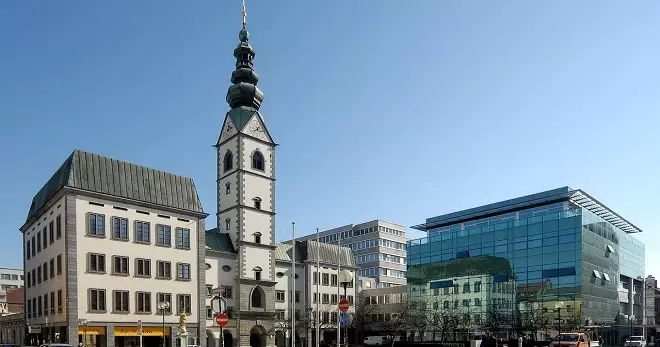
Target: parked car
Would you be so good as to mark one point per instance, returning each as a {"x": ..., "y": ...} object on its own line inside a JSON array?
[
  {"x": 377, "y": 341},
  {"x": 635, "y": 341},
  {"x": 571, "y": 340},
  {"x": 56, "y": 345}
]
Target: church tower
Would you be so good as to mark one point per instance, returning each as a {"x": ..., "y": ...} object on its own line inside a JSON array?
[{"x": 246, "y": 198}]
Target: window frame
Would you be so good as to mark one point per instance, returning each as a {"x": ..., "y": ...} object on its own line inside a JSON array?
[
  {"x": 96, "y": 262},
  {"x": 146, "y": 264},
  {"x": 123, "y": 303},
  {"x": 58, "y": 227},
  {"x": 181, "y": 301},
  {"x": 258, "y": 161},
  {"x": 167, "y": 231},
  {"x": 138, "y": 227},
  {"x": 228, "y": 161},
  {"x": 115, "y": 258},
  {"x": 99, "y": 230},
  {"x": 181, "y": 269},
  {"x": 90, "y": 305},
  {"x": 181, "y": 238},
  {"x": 146, "y": 302},
  {"x": 164, "y": 297},
  {"x": 167, "y": 265}
]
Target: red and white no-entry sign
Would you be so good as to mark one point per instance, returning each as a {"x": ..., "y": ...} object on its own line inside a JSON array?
[
  {"x": 221, "y": 319},
  {"x": 344, "y": 305}
]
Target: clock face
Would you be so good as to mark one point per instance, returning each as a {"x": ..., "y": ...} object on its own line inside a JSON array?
[{"x": 255, "y": 127}]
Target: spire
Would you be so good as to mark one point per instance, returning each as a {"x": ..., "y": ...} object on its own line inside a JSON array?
[{"x": 244, "y": 91}]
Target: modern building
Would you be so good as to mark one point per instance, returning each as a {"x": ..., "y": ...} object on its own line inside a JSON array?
[
  {"x": 105, "y": 242},
  {"x": 10, "y": 279},
  {"x": 553, "y": 260},
  {"x": 380, "y": 310},
  {"x": 379, "y": 248}
]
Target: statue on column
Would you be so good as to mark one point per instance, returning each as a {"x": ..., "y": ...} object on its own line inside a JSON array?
[{"x": 182, "y": 324}]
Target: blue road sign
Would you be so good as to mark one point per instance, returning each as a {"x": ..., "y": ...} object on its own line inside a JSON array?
[{"x": 344, "y": 319}]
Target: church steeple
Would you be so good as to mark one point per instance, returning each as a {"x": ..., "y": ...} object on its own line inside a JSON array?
[{"x": 244, "y": 90}]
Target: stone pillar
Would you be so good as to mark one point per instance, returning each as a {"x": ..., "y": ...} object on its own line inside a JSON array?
[{"x": 110, "y": 335}]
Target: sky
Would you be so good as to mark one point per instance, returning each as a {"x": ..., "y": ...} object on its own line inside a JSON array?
[{"x": 392, "y": 110}]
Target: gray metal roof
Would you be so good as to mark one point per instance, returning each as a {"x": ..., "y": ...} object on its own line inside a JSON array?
[
  {"x": 218, "y": 241},
  {"x": 307, "y": 251},
  {"x": 98, "y": 174}
]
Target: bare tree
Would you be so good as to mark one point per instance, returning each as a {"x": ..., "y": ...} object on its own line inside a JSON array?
[
  {"x": 534, "y": 318},
  {"x": 362, "y": 321}
]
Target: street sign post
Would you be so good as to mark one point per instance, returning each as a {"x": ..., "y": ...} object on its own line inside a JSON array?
[
  {"x": 344, "y": 305},
  {"x": 221, "y": 319}
]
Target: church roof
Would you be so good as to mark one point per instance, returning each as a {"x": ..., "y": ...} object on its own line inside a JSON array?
[
  {"x": 98, "y": 174},
  {"x": 307, "y": 251},
  {"x": 241, "y": 116},
  {"x": 218, "y": 241}
]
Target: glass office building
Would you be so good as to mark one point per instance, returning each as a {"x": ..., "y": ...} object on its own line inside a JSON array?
[{"x": 553, "y": 260}]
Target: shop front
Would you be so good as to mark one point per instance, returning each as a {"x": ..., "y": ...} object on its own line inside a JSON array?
[
  {"x": 92, "y": 336},
  {"x": 152, "y": 336}
]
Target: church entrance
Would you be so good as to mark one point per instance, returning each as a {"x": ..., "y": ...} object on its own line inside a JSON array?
[{"x": 258, "y": 336}]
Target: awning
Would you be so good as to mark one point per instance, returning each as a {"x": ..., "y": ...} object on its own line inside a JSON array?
[
  {"x": 146, "y": 331},
  {"x": 610, "y": 249},
  {"x": 596, "y": 274},
  {"x": 91, "y": 330},
  {"x": 607, "y": 277}
]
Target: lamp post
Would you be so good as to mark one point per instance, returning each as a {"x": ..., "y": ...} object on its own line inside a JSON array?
[
  {"x": 163, "y": 306},
  {"x": 631, "y": 318},
  {"x": 558, "y": 307},
  {"x": 345, "y": 277},
  {"x": 84, "y": 323}
]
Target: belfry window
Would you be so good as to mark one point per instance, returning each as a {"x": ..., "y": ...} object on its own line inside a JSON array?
[
  {"x": 257, "y": 237},
  {"x": 257, "y": 161},
  {"x": 227, "y": 224},
  {"x": 228, "y": 161},
  {"x": 257, "y": 274},
  {"x": 257, "y": 297},
  {"x": 227, "y": 188},
  {"x": 257, "y": 203}
]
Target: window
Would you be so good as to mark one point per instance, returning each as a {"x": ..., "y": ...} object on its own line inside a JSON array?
[
  {"x": 477, "y": 302},
  {"x": 325, "y": 298},
  {"x": 29, "y": 308},
  {"x": 27, "y": 249},
  {"x": 38, "y": 241},
  {"x": 52, "y": 267},
  {"x": 121, "y": 301},
  {"x": 257, "y": 297},
  {"x": 477, "y": 287},
  {"x": 350, "y": 299},
  {"x": 164, "y": 270},
  {"x": 257, "y": 273},
  {"x": 58, "y": 227},
  {"x": 257, "y": 237},
  {"x": 59, "y": 264},
  {"x": 183, "y": 272},
  {"x": 455, "y": 288},
  {"x": 209, "y": 312},
  {"x": 183, "y": 238},
  {"x": 165, "y": 297},
  {"x": 96, "y": 225},
  {"x": 297, "y": 296},
  {"x": 33, "y": 246},
  {"x": 143, "y": 302},
  {"x": 59, "y": 300},
  {"x": 45, "y": 304},
  {"x": 164, "y": 235},
  {"x": 315, "y": 278},
  {"x": 120, "y": 265},
  {"x": 39, "y": 274},
  {"x": 333, "y": 299},
  {"x": 142, "y": 232},
  {"x": 52, "y": 302},
  {"x": 29, "y": 283},
  {"x": 183, "y": 304},
  {"x": 209, "y": 290},
  {"x": 316, "y": 298},
  {"x": 34, "y": 277},
  {"x": 227, "y": 188},
  {"x": 143, "y": 267},
  {"x": 228, "y": 161},
  {"x": 466, "y": 287},
  {"x": 257, "y": 203},
  {"x": 325, "y": 279},
  {"x": 45, "y": 235},
  {"x": 45, "y": 272},
  {"x": 96, "y": 300},
  {"x": 280, "y": 296},
  {"x": 258, "y": 161},
  {"x": 51, "y": 232},
  {"x": 334, "y": 280},
  {"x": 227, "y": 292},
  {"x": 227, "y": 224},
  {"x": 40, "y": 307}
]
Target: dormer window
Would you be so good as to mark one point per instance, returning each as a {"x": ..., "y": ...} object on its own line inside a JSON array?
[
  {"x": 227, "y": 188},
  {"x": 257, "y": 203},
  {"x": 257, "y": 237},
  {"x": 258, "y": 161},
  {"x": 228, "y": 161}
]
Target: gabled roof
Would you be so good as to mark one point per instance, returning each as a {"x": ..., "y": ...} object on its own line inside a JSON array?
[
  {"x": 307, "y": 251},
  {"x": 218, "y": 241},
  {"x": 98, "y": 174}
]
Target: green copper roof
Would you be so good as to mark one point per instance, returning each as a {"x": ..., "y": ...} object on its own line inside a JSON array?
[
  {"x": 307, "y": 251},
  {"x": 241, "y": 116},
  {"x": 98, "y": 174},
  {"x": 218, "y": 241}
]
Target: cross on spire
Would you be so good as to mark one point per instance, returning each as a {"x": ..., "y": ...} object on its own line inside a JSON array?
[{"x": 244, "y": 14}]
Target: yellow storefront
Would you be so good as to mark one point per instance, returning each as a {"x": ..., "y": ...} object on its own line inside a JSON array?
[
  {"x": 92, "y": 336},
  {"x": 146, "y": 331},
  {"x": 152, "y": 336}
]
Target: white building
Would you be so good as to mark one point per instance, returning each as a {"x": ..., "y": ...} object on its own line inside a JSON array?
[
  {"x": 10, "y": 279},
  {"x": 105, "y": 241}
]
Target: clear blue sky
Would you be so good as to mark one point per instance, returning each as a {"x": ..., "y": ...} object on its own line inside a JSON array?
[{"x": 397, "y": 110}]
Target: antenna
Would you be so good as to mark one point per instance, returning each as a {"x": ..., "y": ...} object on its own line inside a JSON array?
[{"x": 244, "y": 14}]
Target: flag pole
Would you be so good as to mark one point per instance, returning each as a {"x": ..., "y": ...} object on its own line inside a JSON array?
[
  {"x": 338, "y": 295},
  {"x": 293, "y": 285},
  {"x": 318, "y": 294}
]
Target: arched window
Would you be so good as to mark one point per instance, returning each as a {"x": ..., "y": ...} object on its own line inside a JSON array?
[
  {"x": 257, "y": 161},
  {"x": 227, "y": 188},
  {"x": 257, "y": 237},
  {"x": 257, "y": 273},
  {"x": 227, "y": 224},
  {"x": 258, "y": 297},
  {"x": 228, "y": 161},
  {"x": 257, "y": 202}
]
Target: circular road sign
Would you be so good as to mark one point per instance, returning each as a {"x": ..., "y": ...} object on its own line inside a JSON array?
[
  {"x": 344, "y": 305},
  {"x": 221, "y": 319}
]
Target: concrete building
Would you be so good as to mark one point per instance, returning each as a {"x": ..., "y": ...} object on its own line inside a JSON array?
[
  {"x": 564, "y": 250},
  {"x": 105, "y": 241},
  {"x": 379, "y": 311},
  {"x": 10, "y": 279},
  {"x": 379, "y": 249}
]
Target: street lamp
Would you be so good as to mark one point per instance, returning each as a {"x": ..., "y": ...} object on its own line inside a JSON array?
[
  {"x": 84, "y": 323},
  {"x": 558, "y": 307},
  {"x": 163, "y": 306},
  {"x": 632, "y": 318},
  {"x": 345, "y": 277}
]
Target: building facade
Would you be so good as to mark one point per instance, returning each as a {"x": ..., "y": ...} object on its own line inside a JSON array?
[
  {"x": 381, "y": 311},
  {"x": 552, "y": 260},
  {"x": 379, "y": 249},
  {"x": 10, "y": 279},
  {"x": 104, "y": 242}
]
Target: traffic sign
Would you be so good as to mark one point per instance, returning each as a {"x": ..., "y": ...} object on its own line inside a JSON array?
[
  {"x": 345, "y": 319},
  {"x": 221, "y": 319},
  {"x": 218, "y": 304},
  {"x": 344, "y": 305}
]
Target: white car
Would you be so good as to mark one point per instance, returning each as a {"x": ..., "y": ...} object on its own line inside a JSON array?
[
  {"x": 635, "y": 341},
  {"x": 377, "y": 341}
]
